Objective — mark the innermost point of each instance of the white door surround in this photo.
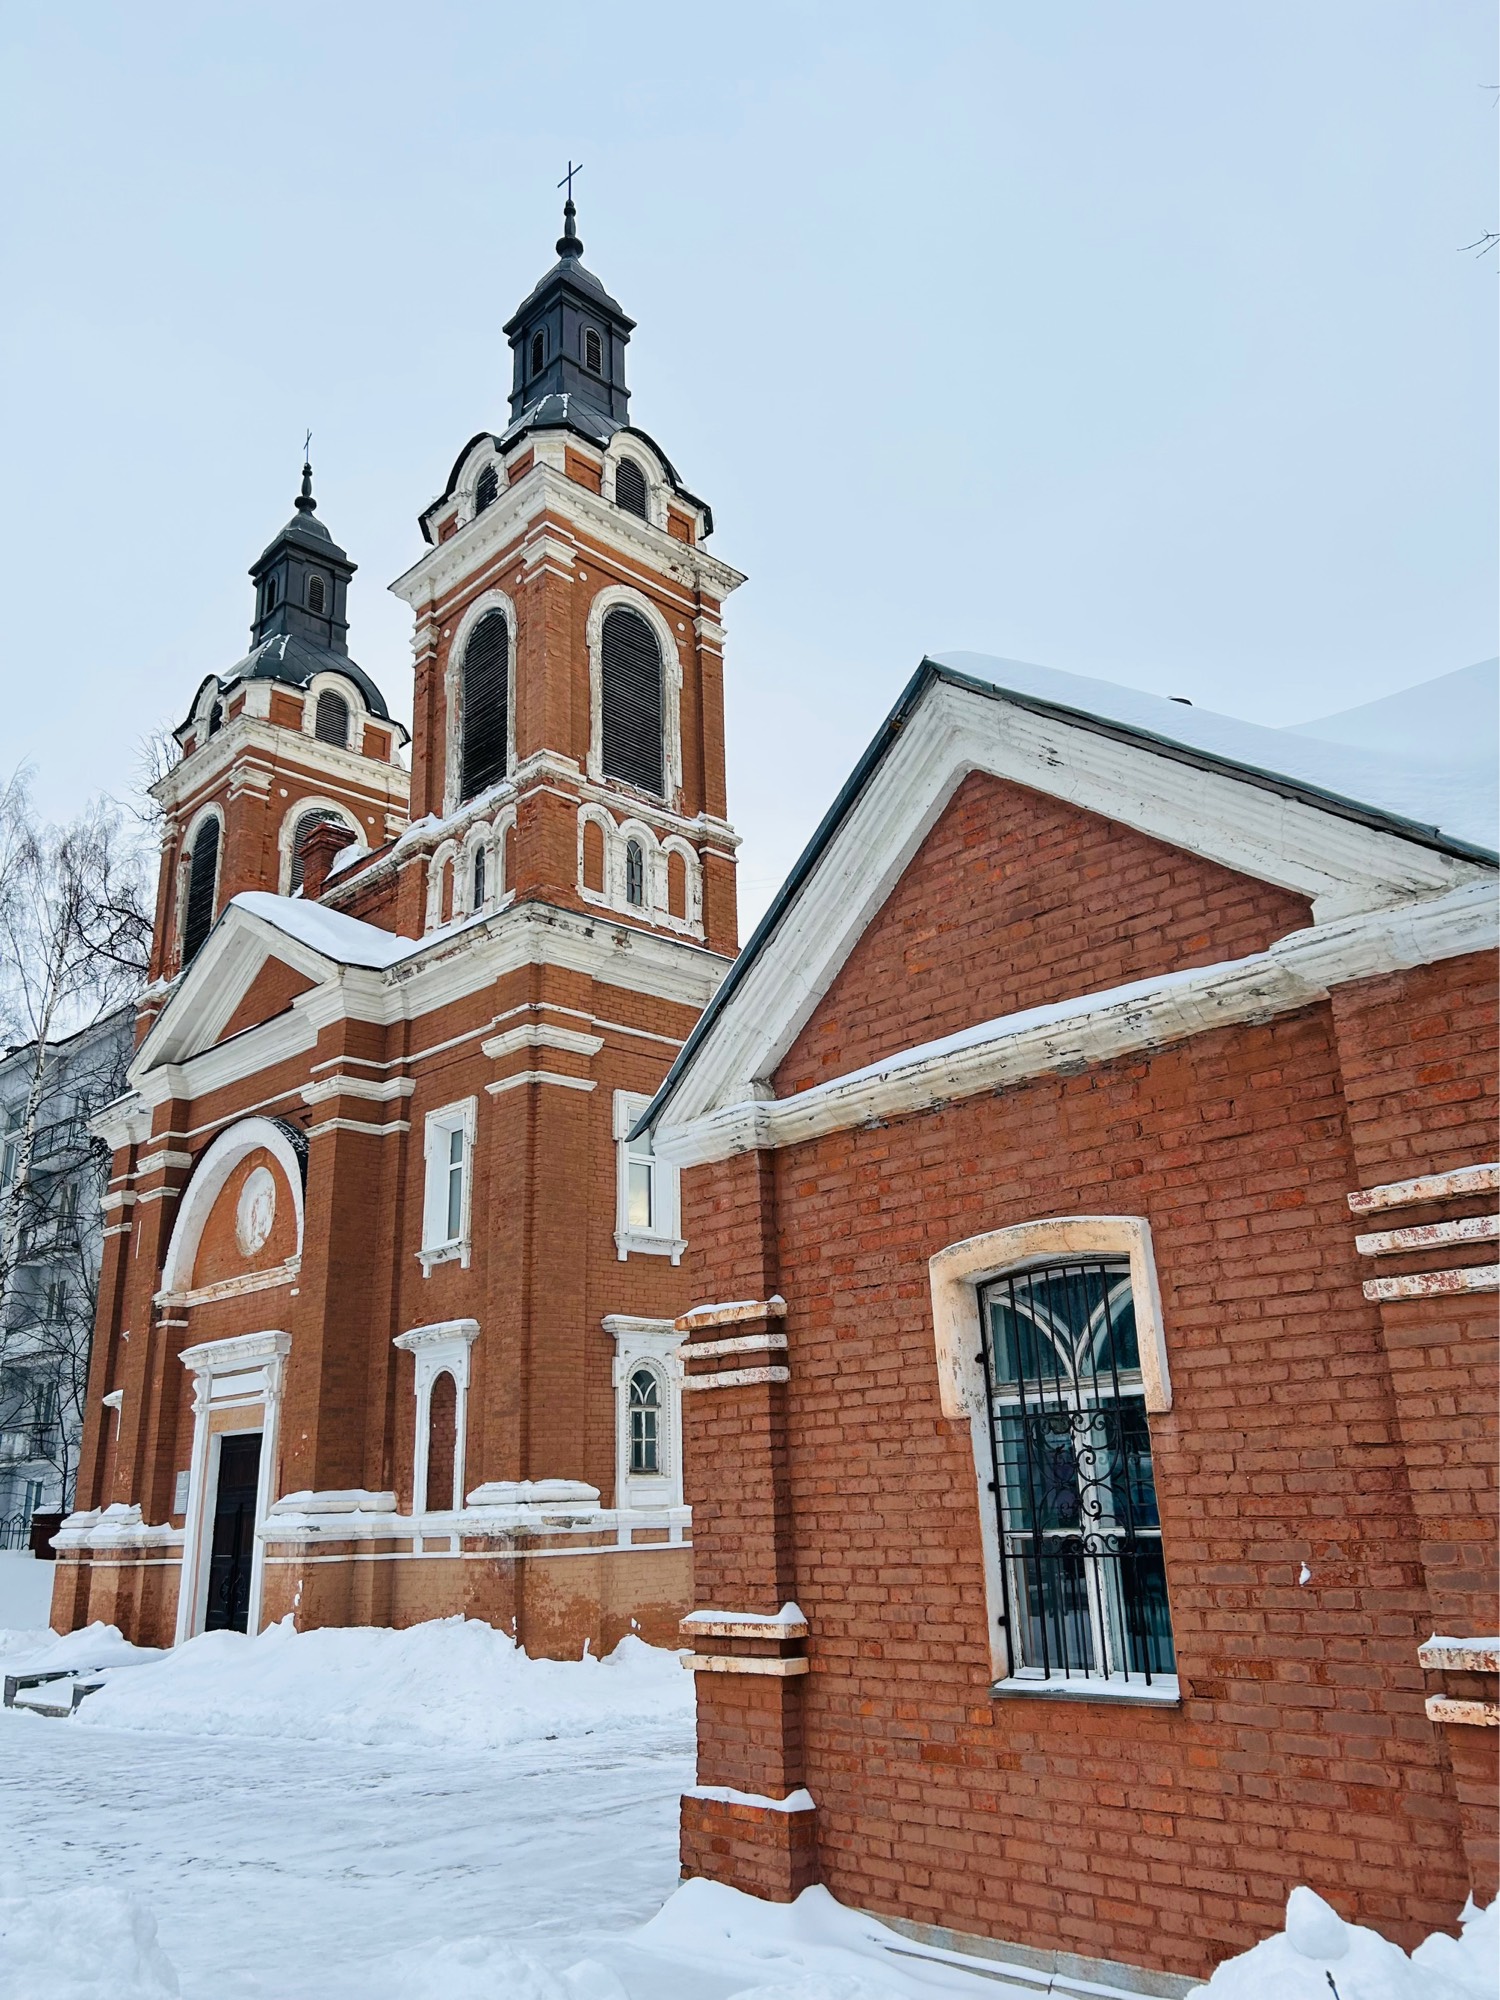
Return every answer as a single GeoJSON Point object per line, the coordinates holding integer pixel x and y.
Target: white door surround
{"type": "Point", "coordinates": [239, 1379]}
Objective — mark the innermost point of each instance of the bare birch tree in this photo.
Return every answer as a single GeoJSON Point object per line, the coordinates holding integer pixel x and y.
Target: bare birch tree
{"type": "Point", "coordinates": [75, 936]}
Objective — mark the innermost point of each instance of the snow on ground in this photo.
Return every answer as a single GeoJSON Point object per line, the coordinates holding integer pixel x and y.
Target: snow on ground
{"type": "Point", "coordinates": [1319, 1953]}
{"type": "Point", "coordinates": [25, 1592]}
{"type": "Point", "coordinates": [429, 1815]}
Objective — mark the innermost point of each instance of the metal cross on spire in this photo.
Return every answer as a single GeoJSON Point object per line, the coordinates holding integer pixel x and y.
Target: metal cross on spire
{"type": "Point", "coordinates": [567, 179]}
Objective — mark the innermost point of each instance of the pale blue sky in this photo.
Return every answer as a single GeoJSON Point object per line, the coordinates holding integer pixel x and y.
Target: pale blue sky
{"type": "Point", "coordinates": [1128, 338]}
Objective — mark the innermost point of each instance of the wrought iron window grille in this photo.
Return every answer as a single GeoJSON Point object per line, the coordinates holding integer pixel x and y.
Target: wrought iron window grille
{"type": "Point", "coordinates": [1083, 1577]}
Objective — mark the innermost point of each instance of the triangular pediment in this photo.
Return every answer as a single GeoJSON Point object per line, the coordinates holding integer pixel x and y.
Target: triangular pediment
{"type": "Point", "coordinates": [247, 973]}
{"type": "Point", "coordinates": [1203, 799]}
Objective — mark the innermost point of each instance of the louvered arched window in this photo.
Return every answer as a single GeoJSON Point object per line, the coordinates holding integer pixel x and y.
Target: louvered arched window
{"type": "Point", "coordinates": [630, 487]}
{"type": "Point", "coordinates": [331, 719]}
{"type": "Point", "coordinates": [203, 881]}
{"type": "Point", "coordinates": [484, 700]}
{"type": "Point", "coordinates": [593, 352]}
{"type": "Point", "coordinates": [317, 595]}
{"type": "Point", "coordinates": [538, 352]}
{"type": "Point", "coordinates": [631, 690]}
{"type": "Point", "coordinates": [487, 492]}
{"type": "Point", "coordinates": [318, 817]}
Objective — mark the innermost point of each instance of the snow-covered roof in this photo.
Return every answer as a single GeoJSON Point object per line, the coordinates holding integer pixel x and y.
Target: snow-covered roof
{"type": "Point", "coordinates": [1427, 754]}
{"type": "Point", "coordinates": [345, 940]}
{"type": "Point", "coordinates": [1422, 804]}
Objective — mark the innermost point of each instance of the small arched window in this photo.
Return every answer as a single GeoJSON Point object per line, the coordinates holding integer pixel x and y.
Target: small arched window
{"type": "Point", "coordinates": [645, 1421]}
{"type": "Point", "coordinates": [317, 595]}
{"type": "Point", "coordinates": [593, 352]}
{"type": "Point", "coordinates": [477, 900]}
{"type": "Point", "coordinates": [331, 719]}
{"type": "Point", "coordinates": [442, 1443]}
{"type": "Point", "coordinates": [483, 697]}
{"type": "Point", "coordinates": [270, 593]}
{"type": "Point", "coordinates": [538, 351]}
{"type": "Point", "coordinates": [487, 492]}
{"type": "Point", "coordinates": [216, 718]}
{"type": "Point", "coordinates": [631, 700]}
{"type": "Point", "coordinates": [304, 826]}
{"type": "Point", "coordinates": [635, 874]}
{"type": "Point", "coordinates": [203, 882]}
{"type": "Point", "coordinates": [630, 487]}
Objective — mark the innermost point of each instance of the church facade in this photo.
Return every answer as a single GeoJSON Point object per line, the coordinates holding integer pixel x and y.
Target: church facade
{"type": "Point", "coordinates": [1089, 1176]}
{"type": "Point", "coordinates": [386, 1320]}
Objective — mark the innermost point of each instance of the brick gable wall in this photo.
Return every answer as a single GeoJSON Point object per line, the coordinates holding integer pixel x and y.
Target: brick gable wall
{"type": "Point", "coordinates": [1015, 900]}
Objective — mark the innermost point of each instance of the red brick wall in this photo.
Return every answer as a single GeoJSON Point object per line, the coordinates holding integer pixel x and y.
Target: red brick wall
{"type": "Point", "coordinates": [1301, 1751]}
{"type": "Point", "coordinates": [1016, 900]}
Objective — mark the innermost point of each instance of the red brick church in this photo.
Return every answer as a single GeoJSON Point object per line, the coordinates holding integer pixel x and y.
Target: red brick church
{"type": "Point", "coordinates": [386, 1320]}
{"type": "Point", "coordinates": [1089, 1176]}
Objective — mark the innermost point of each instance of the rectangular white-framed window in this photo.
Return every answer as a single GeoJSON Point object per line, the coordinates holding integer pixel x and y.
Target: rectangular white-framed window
{"type": "Point", "coordinates": [646, 1204]}
{"type": "Point", "coordinates": [448, 1184]}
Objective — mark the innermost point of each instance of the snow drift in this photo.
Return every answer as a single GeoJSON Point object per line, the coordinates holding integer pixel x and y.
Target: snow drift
{"type": "Point", "coordinates": [451, 1684]}
{"type": "Point", "coordinates": [1318, 1955]}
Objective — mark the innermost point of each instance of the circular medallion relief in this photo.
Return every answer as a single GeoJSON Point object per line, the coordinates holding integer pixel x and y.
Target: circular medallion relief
{"type": "Point", "coordinates": [256, 1212]}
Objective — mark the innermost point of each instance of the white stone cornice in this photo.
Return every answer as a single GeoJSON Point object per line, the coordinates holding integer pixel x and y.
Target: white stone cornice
{"type": "Point", "coordinates": [1297, 971]}
{"type": "Point", "coordinates": [1339, 864]}
{"type": "Point", "coordinates": [538, 1035]}
{"type": "Point", "coordinates": [547, 488]}
{"type": "Point", "coordinates": [182, 1058]}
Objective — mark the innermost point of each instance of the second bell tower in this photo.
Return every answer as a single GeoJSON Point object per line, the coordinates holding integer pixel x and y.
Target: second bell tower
{"type": "Point", "coordinates": [568, 649]}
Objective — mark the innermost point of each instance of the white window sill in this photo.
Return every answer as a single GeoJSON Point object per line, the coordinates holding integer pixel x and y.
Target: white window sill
{"type": "Point", "coordinates": [1161, 1691]}
{"type": "Point", "coordinates": [644, 1244]}
{"type": "Point", "coordinates": [443, 1253]}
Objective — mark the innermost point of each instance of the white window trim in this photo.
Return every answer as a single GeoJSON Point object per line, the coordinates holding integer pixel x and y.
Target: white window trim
{"type": "Point", "coordinates": [443, 1249]}
{"type": "Point", "coordinates": [185, 869]}
{"type": "Point", "coordinates": [439, 1349]}
{"type": "Point", "coordinates": [314, 802]}
{"type": "Point", "coordinates": [665, 1240]}
{"type": "Point", "coordinates": [349, 695]}
{"type": "Point", "coordinates": [653, 1343]}
{"type": "Point", "coordinates": [605, 601]}
{"type": "Point", "coordinates": [489, 600]}
{"type": "Point", "coordinates": [956, 1276]}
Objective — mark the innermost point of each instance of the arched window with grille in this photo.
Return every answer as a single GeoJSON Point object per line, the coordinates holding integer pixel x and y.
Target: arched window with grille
{"type": "Point", "coordinates": [631, 700]}
{"type": "Point", "coordinates": [484, 691]}
{"type": "Point", "coordinates": [319, 816]}
{"type": "Point", "coordinates": [593, 352]}
{"type": "Point", "coordinates": [630, 487]}
{"type": "Point", "coordinates": [645, 1421]}
{"type": "Point", "coordinates": [331, 719]}
{"type": "Point", "coordinates": [202, 886]}
{"type": "Point", "coordinates": [487, 491]}
{"type": "Point", "coordinates": [317, 595]}
{"type": "Point", "coordinates": [476, 880]}
{"type": "Point", "coordinates": [1080, 1531]}
{"type": "Point", "coordinates": [635, 874]}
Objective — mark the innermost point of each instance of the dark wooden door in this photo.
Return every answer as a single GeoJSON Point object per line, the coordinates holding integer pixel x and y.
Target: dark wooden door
{"type": "Point", "coordinates": [234, 1534]}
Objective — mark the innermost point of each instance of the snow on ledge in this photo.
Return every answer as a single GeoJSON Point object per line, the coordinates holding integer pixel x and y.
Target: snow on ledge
{"type": "Point", "coordinates": [801, 1800]}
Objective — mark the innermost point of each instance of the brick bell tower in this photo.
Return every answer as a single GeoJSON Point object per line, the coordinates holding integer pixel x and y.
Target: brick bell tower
{"type": "Point", "coordinates": [568, 710]}
{"type": "Point", "coordinates": [294, 736]}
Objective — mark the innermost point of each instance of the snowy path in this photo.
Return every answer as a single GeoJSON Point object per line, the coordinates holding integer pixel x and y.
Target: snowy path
{"type": "Point", "coordinates": [292, 1869]}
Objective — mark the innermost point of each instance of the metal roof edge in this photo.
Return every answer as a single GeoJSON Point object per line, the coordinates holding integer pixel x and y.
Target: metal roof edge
{"type": "Point", "coordinates": [931, 671]}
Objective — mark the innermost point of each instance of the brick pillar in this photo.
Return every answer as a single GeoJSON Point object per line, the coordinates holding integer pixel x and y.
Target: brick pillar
{"type": "Point", "coordinates": [1417, 1052]}
{"type": "Point", "coordinates": [751, 1665]}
